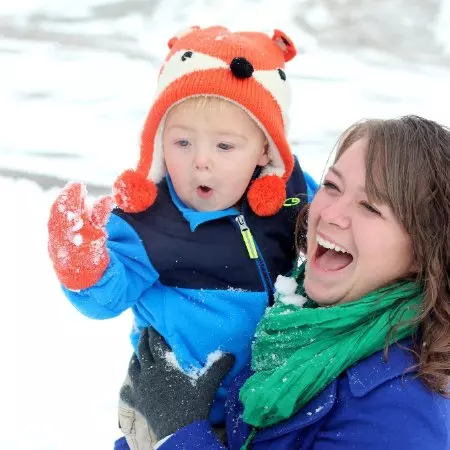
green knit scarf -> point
(299, 351)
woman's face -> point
(354, 246)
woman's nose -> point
(337, 214)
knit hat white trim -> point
(158, 169)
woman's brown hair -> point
(408, 169)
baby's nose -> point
(202, 159)
(241, 67)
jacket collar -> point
(373, 371)
(315, 410)
(363, 377)
(196, 218)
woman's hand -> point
(167, 397)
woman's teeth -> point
(330, 245)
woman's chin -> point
(319, 293)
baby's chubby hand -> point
(77, 237)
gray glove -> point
(168, 398)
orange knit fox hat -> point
(245, 68)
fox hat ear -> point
(264, 96)
(285, 44)
(180, 34)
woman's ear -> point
(415, 268)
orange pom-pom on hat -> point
(245, 68)
(133, 192)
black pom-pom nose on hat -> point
(241, 67)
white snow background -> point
(76, 80)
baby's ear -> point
(181, 34)
(285, 44)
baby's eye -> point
(182, 143)
(223, 146)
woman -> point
(365, 363)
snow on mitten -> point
(77, 237)
(168, 398)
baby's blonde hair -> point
(205, 102)
(210, 104)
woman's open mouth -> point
(204, 191)
(330, 256)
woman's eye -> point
(370, 208)
(182, 143)
(330, 185)
(223, 146)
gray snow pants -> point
(138, 434)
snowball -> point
(285, 285)
(295, 299)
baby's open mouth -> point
(330, 256)
(204, 191)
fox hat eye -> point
(186, 55)
(282, 74)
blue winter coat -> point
(373, 405)
(189, 275)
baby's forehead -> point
(219, 113)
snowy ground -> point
(76, 82)
(61, 371)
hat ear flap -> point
(266, 195)
(285, 44)
(133, 192)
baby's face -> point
(211, 153)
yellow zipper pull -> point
(247, 237)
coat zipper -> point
(255, 253)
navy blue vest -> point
(214, 256)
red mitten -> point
(77, 237)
